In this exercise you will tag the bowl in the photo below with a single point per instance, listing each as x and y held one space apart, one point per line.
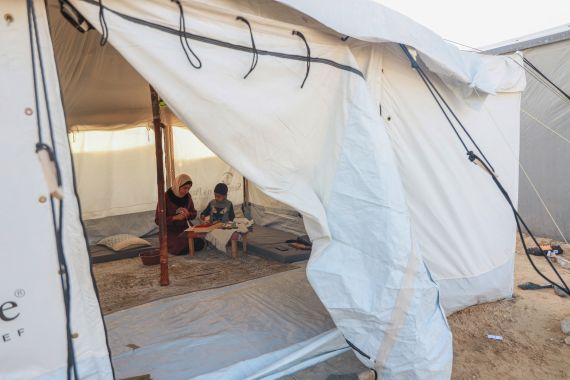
151 257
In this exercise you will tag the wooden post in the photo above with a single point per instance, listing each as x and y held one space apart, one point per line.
245 191
164 279
169 155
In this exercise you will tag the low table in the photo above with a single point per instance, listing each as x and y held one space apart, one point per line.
197 232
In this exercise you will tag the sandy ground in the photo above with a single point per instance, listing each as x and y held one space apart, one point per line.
126 283
533 345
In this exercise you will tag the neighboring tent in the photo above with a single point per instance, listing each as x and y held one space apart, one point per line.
341 130
545 131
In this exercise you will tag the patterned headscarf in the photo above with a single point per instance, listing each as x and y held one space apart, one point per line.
179 181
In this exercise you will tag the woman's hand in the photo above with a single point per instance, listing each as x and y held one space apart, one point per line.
178 217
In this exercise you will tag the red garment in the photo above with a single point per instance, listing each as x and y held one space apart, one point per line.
177 241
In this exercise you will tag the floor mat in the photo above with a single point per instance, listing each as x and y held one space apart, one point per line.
272 244
126 283
198 333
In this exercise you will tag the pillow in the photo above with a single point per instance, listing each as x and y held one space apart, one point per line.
122 242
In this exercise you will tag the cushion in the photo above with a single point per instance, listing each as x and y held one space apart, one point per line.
122 242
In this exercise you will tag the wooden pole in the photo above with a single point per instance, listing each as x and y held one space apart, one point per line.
245 191
169 155
163 239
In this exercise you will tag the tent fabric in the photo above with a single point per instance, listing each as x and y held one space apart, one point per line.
542 147
335 150
366 20
544 125
307 160
37 341
107 91
178 336
456 196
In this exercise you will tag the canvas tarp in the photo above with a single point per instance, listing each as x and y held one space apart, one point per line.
322 149
545 143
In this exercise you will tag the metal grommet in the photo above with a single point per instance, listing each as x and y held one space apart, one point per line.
42 199
28 111
9 18
75 335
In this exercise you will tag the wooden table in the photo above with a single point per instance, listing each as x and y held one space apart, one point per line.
194 233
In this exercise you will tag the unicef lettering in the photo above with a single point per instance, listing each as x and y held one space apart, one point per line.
9 312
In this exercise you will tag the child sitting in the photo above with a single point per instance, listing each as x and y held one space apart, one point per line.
220 209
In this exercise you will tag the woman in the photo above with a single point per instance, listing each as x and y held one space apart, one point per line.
179 209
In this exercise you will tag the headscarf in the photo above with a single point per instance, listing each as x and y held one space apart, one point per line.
179 181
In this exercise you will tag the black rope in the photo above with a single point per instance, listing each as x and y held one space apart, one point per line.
183 40
358 349
431 86
253 47
56 220
529 63
104 28
474 158
363 354
297 33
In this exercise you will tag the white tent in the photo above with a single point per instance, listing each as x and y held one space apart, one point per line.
545 122
342 130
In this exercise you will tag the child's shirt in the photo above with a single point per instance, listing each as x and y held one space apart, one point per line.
219 211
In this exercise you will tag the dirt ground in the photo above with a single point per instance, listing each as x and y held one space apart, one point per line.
126 283
533 345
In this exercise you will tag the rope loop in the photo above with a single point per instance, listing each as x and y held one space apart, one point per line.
184 41
253 47
104 28
301 36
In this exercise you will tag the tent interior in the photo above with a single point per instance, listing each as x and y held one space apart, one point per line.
362 144
109 117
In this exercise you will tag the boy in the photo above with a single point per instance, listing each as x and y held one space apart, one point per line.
219 209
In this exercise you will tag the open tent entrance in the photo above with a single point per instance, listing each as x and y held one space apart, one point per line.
116 179
108 111
227 322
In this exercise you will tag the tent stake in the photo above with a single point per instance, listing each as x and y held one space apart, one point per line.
164 279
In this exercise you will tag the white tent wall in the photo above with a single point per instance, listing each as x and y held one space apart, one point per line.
464 226
33 323
544 148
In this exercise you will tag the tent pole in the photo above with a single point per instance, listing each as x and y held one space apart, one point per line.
164 280
169 154
245 191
